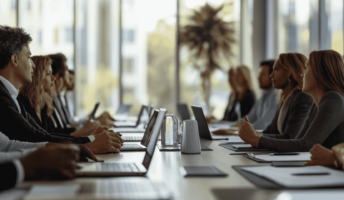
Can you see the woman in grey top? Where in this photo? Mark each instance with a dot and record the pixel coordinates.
(324, 81)
(294, 105)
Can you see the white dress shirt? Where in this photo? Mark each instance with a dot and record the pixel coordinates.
(12, 90)
(12, 150)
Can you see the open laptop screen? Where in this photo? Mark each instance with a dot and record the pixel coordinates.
(183, 111)
(123, 109)
(142, 115)
(148, 132)
(202, 122)
(152, 142)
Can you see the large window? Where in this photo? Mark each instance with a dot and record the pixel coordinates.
(8, 12)
(294, 22)
(299, 28)
(333, 25)
(97, 55)
(148, 53)
(88, 33)
(50, 24)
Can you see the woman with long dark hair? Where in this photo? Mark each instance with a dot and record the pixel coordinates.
(323, 79)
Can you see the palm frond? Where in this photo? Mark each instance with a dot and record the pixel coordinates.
(208, 35)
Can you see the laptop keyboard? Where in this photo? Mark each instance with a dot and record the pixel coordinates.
(119, 167)
(130, 146)
(119, 187)
(132, 138)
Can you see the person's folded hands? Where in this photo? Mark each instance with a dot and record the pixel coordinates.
(87, 129)
(105, 119)
(247, 133)
(54, 161)
(321, 156)
(99, 130)
(339, 153)
(210, 120)
(106, 142)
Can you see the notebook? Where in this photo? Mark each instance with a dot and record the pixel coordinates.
(303, 156)
(300, 177)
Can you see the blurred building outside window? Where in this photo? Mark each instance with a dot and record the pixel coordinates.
(97, 55)
(8, 12)
(148, 48)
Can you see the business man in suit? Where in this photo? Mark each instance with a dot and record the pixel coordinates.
(16, 68)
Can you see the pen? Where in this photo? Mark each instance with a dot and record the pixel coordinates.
(311, 174)
(238, 154)
(284, 154)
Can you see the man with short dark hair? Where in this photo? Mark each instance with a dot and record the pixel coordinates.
(265, 108)
(16, 68)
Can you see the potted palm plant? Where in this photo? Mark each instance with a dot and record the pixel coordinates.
(207, 37)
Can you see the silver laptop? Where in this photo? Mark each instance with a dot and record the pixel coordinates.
(130, 124)
(123, 110)
(203, 128)
(126, 169)
(114, 188)
(144, 140)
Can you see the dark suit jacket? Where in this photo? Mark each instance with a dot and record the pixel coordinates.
(58, 105)
(47, 122)
(22, 127)
(294, 117)
(8, 175)
(246, 104)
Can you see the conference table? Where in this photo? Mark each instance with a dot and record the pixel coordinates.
(165, 168)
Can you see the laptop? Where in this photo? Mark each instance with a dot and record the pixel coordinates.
(126, 169)
(183, 111)
(203, 128)
(94, 111)
(144, 140)
(130, 124)
(123, 110)
(114, 188)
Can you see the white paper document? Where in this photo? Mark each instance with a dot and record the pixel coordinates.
(221, 126)
(235, 139)
(313, 194)
(300, 177)
(303, 156)
(242, 146)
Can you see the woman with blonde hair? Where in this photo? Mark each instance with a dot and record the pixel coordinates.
(37, 100)
(36, 97)
(324, 81)
(242, 98)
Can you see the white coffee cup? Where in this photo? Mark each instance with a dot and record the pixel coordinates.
(191, 143)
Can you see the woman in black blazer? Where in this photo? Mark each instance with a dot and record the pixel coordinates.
(242, 94)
